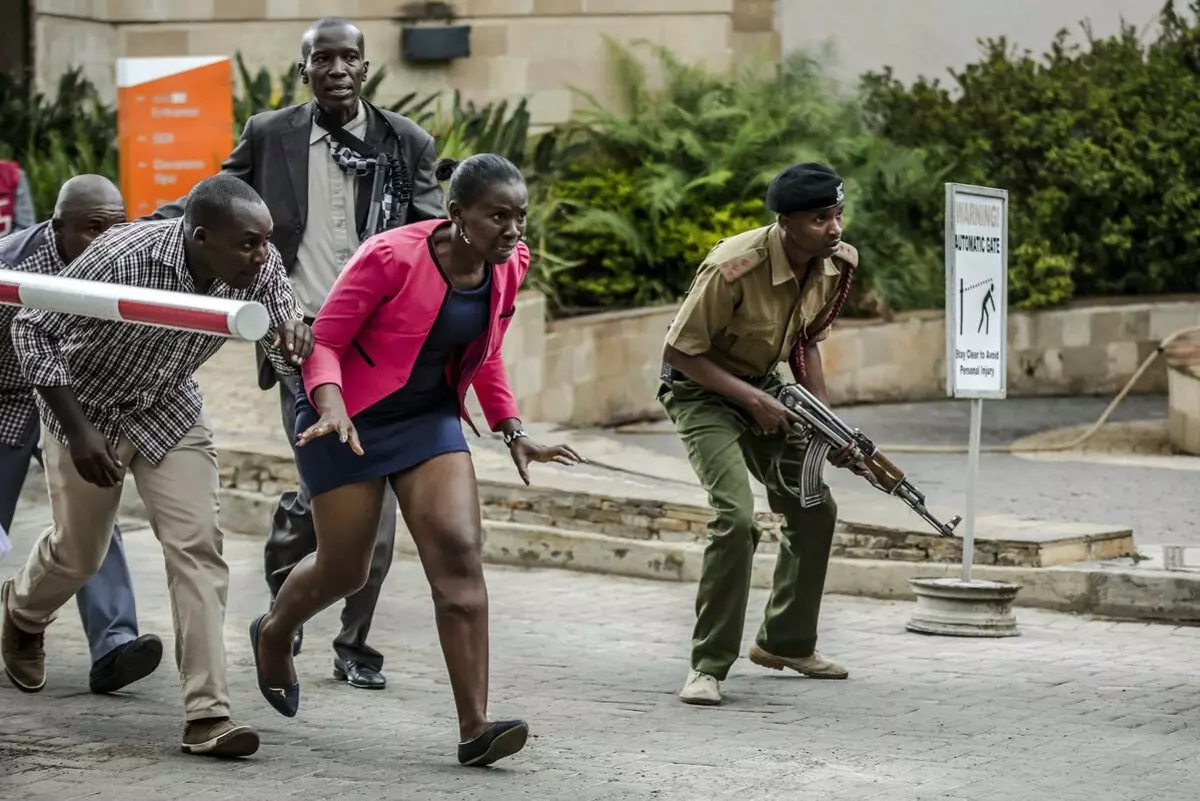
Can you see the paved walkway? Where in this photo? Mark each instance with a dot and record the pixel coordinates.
(1072, 710)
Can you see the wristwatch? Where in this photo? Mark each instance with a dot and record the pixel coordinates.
(513, 436)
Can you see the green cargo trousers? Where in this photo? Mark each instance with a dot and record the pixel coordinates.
(724, 451)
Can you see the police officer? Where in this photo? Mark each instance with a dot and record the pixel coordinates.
(759, 298)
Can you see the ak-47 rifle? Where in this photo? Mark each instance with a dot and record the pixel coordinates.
(826, 432)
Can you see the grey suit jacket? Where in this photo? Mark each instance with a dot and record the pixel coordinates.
(272, 156)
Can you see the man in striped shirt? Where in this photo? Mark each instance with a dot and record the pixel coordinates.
(116, 396)
(87, 206)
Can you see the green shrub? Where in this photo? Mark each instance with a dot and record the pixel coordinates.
(1096, 145)
(55, 139)
(646, 188)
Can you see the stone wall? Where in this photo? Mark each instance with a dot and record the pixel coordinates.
(518, 47)
(1083, 350)
(603, 369)
(1183, 393)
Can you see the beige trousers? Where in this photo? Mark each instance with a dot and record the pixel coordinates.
(181, 497)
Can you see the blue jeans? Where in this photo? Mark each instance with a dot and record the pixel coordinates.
(105, 602)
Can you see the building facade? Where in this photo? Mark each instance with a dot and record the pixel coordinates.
(532, 48)
(926, 37)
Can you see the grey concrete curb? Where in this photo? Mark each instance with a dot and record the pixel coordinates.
(1117, 592)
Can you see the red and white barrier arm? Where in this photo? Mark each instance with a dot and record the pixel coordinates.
(237, 319)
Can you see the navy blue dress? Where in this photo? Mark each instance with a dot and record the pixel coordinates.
(413, 424)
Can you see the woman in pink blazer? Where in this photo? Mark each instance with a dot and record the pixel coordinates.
(417, 316)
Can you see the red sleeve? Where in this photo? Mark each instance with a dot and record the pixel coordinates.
(491, 381)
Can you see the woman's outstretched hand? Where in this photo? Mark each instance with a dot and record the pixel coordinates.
(525, 450)
(333, 420)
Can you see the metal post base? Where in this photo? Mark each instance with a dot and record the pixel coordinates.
(952, 607)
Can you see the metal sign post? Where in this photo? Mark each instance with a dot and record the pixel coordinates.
(976, 364)
(976, 317)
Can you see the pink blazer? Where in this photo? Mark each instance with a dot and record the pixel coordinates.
(380, 310)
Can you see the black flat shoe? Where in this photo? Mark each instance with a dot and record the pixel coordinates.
(285, 700)
(498, 741)
(358, 675)
(125, 664)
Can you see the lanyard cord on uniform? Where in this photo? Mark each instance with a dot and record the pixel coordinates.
(796, 360)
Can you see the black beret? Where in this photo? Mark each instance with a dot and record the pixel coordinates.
(804, 187)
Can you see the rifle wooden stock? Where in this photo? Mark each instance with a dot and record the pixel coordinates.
(885, 471)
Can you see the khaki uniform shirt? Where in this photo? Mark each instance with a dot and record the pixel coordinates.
(746, 308)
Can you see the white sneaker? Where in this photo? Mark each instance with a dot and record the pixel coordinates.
(701, 688)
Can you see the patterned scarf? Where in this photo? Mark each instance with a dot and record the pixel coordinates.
(797, 356)
(356, 157)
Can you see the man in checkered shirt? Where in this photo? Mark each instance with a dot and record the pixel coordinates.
(87, 206)
(117, 396)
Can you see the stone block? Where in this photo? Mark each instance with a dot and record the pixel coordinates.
(489, 40)
(1170, 317)
(878, 349)
(1122, 360)
(156, 42)
(670, 524)
(1183, 414)
(557, 7)
(753, 16)
(1020, 332)
(498, 8)
(1083, 366)
(905, 555)
(1120, 325)
(508, 74)
(1076, 328)
(239, 9)
(1052, 364)
(672, 7)
(1047, 329)
(470, 73)
(866, 553)
(531, 518)
(842, 352)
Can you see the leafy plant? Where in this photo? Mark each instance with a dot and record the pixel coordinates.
(649, 185)
(1095, 144)
(54, 138)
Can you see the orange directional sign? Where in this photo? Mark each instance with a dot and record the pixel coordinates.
(175, 126)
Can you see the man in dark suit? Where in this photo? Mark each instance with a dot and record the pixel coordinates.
(333, 172)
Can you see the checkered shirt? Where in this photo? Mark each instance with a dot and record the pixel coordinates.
(136, 380)
(16, 396)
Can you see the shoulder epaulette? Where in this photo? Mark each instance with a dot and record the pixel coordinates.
(735, 267)
(847, 253)
(739, 254)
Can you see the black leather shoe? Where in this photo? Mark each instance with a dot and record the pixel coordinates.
(125, 664)
(498, 741)
(357, 675)
(297, 641)
(285, 700)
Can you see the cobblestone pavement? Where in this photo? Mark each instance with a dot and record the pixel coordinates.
(1157, 503)
(1072, 710)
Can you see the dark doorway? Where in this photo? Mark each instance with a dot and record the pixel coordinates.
(16, 39)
